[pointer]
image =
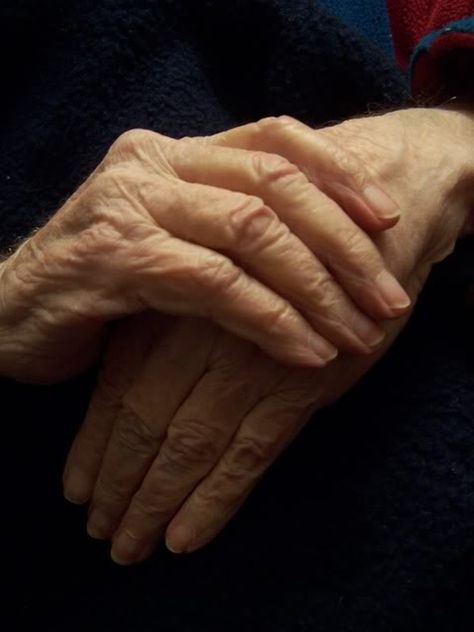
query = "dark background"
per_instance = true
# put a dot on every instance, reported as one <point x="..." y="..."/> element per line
<point x="366" y="523"/>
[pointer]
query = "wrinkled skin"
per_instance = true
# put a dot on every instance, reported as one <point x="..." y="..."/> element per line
<point x="187" y="417"/>
<point x="189" y="228"/>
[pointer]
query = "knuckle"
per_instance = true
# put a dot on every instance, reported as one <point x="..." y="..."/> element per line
<point x="323" y="283"/>
<point x="134" y="435"/>
<point x="129" y="140"/>
<point x="272" y="168"/>
<point x="291" y="401"/>
<point x="188" y="444"/>
<point x="323" y="291"/>
<point x="347" y="162"/>
<point x="251" y="221"/>
<point x="109" y="492"/>
<point x="272" y="125"/>
<point x="250" y="455"/>
<point x="217" y="274"/>
<point x="278" y="318"/>
<point x="356" y="244"/>
<point x="289" y="396"/>
<point x="351" y="165"/>
<point x="354" y="258"/>
<point x="148" y="505"/>
<point x="218" y="496"/>
<point x="142" y="148"/>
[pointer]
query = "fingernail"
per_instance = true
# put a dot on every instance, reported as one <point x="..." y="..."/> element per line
<point x="367" y="331"/>
<point x="99" y="525"/>
<point x="322" y="348"/>
<point x="392" y="292"/>
<point x="126" y="549"/>
<point x="76" y="487"/>
<point x="381" y="203"/>
<point x="180" y="538"/>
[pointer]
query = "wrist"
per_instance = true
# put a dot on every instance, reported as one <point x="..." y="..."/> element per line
<point x="455" y="122"/>
<point x="458" y="121"/>
<point x="444" y="137"/>
<point x="458" y="118"/>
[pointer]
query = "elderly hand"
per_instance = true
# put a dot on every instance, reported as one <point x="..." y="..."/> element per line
<point x="181" y="429"/>
<point x="182" y="227"/>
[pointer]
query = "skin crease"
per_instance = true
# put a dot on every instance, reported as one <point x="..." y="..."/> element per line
<point x="189" y="228"/>
<point x="226" y="409"/>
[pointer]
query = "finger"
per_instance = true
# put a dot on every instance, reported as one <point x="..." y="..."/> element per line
<point x="312" y="216"/>
<point x="123" y="356"/>
<point x="262" y="436"/>
<point x="249" y="232"/>
<point x="344" y="177"/>
<point x="170" y="275"/>
<point x="177" y="277"/>
<point x="196" y="439"/>
<point x="159" y="387"/>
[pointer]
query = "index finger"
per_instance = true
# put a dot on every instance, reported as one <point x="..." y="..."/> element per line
<point x="348" y="180"/>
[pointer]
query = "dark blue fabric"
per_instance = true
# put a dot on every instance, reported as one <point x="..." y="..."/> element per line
<point x="213" y="65"/>
<point x="369" y="17"/>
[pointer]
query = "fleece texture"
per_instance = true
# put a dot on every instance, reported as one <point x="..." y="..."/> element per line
<point x="435" y="39"/>
<point x="366" y="523"/>
<point x="369" y="17"/>
<point x="412" y="20"/>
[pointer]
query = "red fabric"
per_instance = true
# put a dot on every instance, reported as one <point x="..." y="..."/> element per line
<point x="451" y="57"/>
<point x="411" y="20"/>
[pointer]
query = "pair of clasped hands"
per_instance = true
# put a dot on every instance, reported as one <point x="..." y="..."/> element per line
<point x="231" y="285"/>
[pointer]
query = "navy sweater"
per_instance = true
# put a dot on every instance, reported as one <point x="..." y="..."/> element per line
<point x="366" y="523"/>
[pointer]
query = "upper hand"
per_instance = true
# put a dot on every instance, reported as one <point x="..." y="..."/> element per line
<point x="182" y="227"/>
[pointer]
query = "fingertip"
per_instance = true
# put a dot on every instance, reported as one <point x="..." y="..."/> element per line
<point x="380" y="225"/>
<point x="395" y="297"/>
<point x="115" y="557"/>
<point x="100" y="526"/>
<point x="377" y="225"/>
<point x="180" y="539"/>
<point x="370" y="350"/>
<point x="95" y="532"/>
<point x="398" y="312"/>
<point x="321" y="351"/>
<point x="310" y="360"/>
<point x="127" y="549"/>
<point x="386" y="210"/>
<point x="76" y="488"/>
<point x="75" y="500"/>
